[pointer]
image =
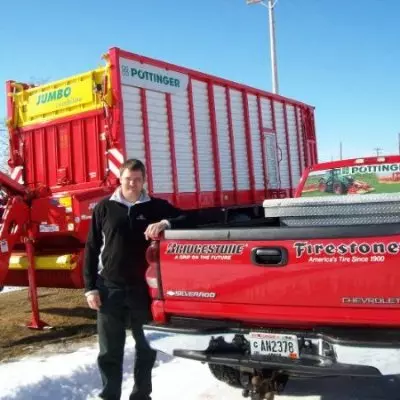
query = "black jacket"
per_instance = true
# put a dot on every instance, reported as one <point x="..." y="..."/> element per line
<point x="116" y="245"/>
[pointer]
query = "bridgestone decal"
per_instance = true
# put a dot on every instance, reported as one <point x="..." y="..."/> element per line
<point x="206" y="249"/>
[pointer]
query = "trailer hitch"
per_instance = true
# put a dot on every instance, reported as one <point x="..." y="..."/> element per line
<point x="264" y="387"/>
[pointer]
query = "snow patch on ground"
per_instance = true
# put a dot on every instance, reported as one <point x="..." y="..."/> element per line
<point x="7" y="289"/>
<point x="74" y="376"/>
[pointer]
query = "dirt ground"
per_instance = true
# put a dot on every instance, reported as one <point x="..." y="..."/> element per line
<point x="64" y="310"/>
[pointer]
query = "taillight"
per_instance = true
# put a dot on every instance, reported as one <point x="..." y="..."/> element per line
<point x="153" y="270"/>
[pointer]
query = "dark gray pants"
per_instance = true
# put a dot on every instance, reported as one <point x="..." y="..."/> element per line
<point x="124" y="307"/>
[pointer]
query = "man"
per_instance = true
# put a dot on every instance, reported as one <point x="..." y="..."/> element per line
<point x="114" y="275"/>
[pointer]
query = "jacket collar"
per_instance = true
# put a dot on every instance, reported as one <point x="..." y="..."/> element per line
<point x="117" y="196"/>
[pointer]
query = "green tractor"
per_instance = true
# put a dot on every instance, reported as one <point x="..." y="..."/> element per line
<point x="334" y="182"/>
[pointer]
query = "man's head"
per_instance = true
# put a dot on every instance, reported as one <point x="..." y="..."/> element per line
<point x="132" y="178"/>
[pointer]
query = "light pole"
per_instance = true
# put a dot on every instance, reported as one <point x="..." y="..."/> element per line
<point x="270" y="5"/>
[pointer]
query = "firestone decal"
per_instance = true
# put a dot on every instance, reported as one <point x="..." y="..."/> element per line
<point x="342" y="252"/>
<point x="205" y="251"/>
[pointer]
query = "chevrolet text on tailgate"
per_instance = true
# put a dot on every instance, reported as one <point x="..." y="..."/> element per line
<point x="311" y="290"/>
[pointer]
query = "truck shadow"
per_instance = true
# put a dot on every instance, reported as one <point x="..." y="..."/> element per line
<point x="344" y="388"/>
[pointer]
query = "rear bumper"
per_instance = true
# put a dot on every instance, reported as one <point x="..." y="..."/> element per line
<point x="331" y="355"/>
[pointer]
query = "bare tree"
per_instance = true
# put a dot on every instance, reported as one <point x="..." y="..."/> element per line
<point x="33" y="80"/>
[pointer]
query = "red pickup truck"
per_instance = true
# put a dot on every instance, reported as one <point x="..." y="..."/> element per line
<point x="311" y="289"/>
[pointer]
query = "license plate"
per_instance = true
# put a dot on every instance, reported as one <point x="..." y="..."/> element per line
<point x="265" y="344"/>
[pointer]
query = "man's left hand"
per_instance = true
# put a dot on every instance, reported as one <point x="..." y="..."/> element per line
<point x="153" y="230"/>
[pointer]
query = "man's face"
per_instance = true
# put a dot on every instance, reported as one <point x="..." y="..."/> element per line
<point x="132" y="182"/>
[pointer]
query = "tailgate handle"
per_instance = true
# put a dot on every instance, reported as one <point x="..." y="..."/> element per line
<point x="269" y="256"/>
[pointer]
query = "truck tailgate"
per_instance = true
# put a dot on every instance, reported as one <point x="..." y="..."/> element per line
<point x="338" y="275"/>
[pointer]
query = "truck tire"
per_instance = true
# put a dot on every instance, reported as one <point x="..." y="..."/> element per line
<point x="228" y="375"/>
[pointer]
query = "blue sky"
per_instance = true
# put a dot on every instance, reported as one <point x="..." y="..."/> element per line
<point x="342" y="57"/>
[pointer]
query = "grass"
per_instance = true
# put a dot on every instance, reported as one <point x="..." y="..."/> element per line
<point x="65" y="310"/>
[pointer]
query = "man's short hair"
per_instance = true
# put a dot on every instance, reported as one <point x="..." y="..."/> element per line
<point x="133" y="164"/>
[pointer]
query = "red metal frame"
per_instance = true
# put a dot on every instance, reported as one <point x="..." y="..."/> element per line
<point x="53" y="139"/>
<point x="194" y="142"/>
<point x="312" y="127"/>
<point x="118" y="111"/>
<point x="83" y="147"/>
<point x="298" y="141"/>
<point x="99" y="160"/>
<point x="279" y="155"/>
<point x="31" y="148"/>
<point x="44" y="157"/>
<point x="309" y="126"/>
<point x="146" y="134"/>
<point x="249" y="145"/>
<point x="171" y="133"/>
<point x="214" y="139"/>
<point x="231" y="142"/>
<point x="313" y="150"/>
<point x="289" y="159"/>
<point x="15" y="187"/>
<point x="39" y="155"/>
<point x="69" y="154"/>
<point x="17" y="225"/>
<point x="36" y="322"/>
<point x="262" y="142"/>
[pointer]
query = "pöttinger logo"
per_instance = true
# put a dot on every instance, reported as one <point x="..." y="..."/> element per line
<point x="125" y="70"/>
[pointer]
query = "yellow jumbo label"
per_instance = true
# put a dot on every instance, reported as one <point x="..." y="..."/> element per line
<point x="63" y="98"/>
<point x="59" y="98"/>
